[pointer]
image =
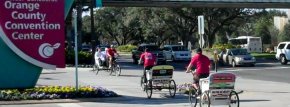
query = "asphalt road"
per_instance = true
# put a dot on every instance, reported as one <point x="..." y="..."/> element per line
<point x="128" y="85"/>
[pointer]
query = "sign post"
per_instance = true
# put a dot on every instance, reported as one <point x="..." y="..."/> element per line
<point x="76" y="48"/>
<point x="201" y="30"/>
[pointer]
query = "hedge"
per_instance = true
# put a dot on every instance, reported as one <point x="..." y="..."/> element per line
<point x="84" y="57"/>
<point x="126" y="48"/>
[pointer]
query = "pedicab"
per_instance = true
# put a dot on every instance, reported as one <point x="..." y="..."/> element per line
<point x="159" y="78"/>
<point x="217" y="89"/>
<point x="116" y="69"/>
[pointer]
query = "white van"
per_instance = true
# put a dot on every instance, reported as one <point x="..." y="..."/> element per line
<point x="252" y="44"/>
<point x="176" y="52"/>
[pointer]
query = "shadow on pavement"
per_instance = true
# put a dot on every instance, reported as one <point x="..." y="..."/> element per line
<point x="48" y="78"/>
<point x="253" y="100"/>
<point x="130" y="75"/>
<point x="162" y="99"/>
<point x="53" y="72"/>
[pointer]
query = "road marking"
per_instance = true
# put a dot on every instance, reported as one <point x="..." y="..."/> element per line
<point x="69" y="105"/>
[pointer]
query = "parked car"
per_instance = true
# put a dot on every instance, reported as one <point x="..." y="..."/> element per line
<point x="153" y="48"/>
<point x="236" y="56"/>
<point x="176" y="52"/>
<point x="86" y="48"/>
<point x="283" y="52"/>
<point x="103" y="47"/>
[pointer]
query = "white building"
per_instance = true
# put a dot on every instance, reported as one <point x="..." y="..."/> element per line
<point x="280" y="22"/>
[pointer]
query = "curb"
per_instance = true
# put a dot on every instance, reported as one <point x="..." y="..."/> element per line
<point x="77" y="100"/>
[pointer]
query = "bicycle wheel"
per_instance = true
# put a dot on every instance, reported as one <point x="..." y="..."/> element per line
<point x="234" y="99"/>
<point x="111" y="70"/>
<point x="192" y="97"/>
<point x="149" y="89"/>
<point x="204" y="100"/>
<point x="172" y="88"/>
<point x="142" y="83"/>
<point x="117" y="70"/>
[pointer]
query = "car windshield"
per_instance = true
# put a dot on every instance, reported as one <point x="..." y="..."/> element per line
<point x="153" y="48"/>
<point x="179" y="48"/>
<point x="239" y="52"/>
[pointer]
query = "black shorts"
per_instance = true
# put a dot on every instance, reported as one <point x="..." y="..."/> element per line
<point x="146" y="68"/>
<point x="197" y="77"/>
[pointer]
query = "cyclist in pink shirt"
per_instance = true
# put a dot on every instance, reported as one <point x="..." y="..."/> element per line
<point x="202" y="65"/>
<point x="149" y="60"/>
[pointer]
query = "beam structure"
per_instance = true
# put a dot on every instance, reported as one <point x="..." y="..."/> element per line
<point x="196" y="3"/>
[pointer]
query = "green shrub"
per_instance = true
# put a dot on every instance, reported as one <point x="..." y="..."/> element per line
<point x="223" y="46"/>
<point x="126" y="48"/>
<point x="84" y="57"/>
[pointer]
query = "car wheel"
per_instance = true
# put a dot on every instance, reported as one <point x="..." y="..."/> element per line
<point x="135" y="61"/>
<point x="234" y="63"/>
<point x="172" y="58"/>
<point x="283" y="60"/>
<point x="252" y="65"/>
<point x="164" y="62"/>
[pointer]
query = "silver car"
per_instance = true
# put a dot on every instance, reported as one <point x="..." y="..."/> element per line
<point x="236" y="57"/>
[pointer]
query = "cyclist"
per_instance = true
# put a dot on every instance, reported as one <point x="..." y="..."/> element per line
<point x="149" y="60"/>
<point x="111" y="52"/>
<point x="202" y="64"/>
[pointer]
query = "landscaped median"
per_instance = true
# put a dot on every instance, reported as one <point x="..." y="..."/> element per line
<point x="264" y="55"/>
<point x="55" y="92"/>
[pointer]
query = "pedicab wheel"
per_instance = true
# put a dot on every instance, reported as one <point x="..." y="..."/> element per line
<point x="172" y="88"/>
<point x="192" y="97"/>
<point x="117" y="70"/>
<point x="204" y="100"/>
<point x="94" y="68"/>
<point x="234" y="99"/>
<point x="97" y="69"/>
<point x="142" y="82"/>
<point x="148" y="88"/>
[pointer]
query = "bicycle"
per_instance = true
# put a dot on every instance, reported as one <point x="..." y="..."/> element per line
<point x="193" y="93"/>
<point x="115" y="68"/>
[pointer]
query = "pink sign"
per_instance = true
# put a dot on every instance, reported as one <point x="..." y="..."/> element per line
<point x="34" y="30"/>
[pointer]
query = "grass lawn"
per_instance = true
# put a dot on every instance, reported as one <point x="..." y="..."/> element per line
<point x="264" y="55"/>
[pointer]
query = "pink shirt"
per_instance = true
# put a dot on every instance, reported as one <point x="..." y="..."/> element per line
<point x="201" y="63"/>
<point x="148" y="58"/>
